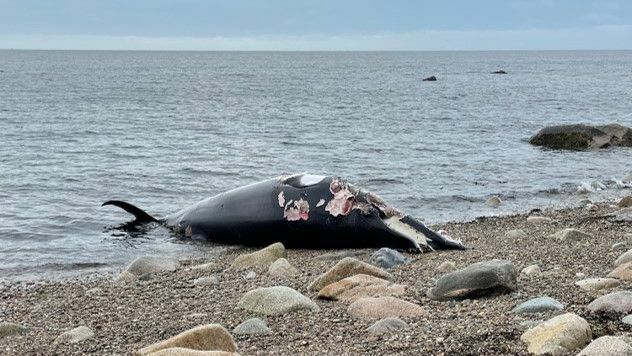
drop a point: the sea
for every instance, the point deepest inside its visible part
(163, 130)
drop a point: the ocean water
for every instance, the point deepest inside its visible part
(166, 129)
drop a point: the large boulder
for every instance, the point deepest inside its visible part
(360, 286)
(580, 136)
(478, 279)
(276, 300)
(560, 335)
(211, 337)
(347, 267)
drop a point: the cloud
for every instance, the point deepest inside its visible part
(598, 37)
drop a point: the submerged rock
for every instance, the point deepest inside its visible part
(494, 201)
(499, 72)
(387, 258)
(478, 279)
(431, 78)
(579, 136)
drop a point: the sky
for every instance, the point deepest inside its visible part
(316, 24)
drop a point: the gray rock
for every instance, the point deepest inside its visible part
(151, 264)
(582, 136)
(627, 319)
(10, 329)
(620, 245)
(570, 235)
(607, 346)
(494, 201)
(275, 300)
(281, 268)
(446, 266)
(595, 284)
(251, 275)
(253, 326)
(206, 281)
(387, 326)
(516, 234)
(617, 302)
(623, 215)
(538, 305)
(478, 279)
(387, 258)
(624, 258)
(531, 271)
(262, 258)
(536, 220)
(559, 335)
(75, 335)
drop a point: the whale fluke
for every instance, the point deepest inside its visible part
(141, 216)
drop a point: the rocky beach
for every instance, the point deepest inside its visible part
(549, 281)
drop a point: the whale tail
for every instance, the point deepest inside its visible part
(141, 216)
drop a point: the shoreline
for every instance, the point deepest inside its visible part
(127, 316)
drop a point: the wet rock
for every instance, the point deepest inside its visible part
(10, 329)
(617, 302)
(625, 202)
(387, 258)
(559, 335)
(446, 267)
(206, 281)
(281, 268)
(211, 337)
(607, 346)
(151, 264)
(75, 335)
(570, 235)
(360, 286)
(621, 135)
(595, 284)
(431, 78)
(384, 307)
(338, 255)
(622, 272)
(347, 267)
(253, 326)
(478, 279)
(538, 305)
(275, 300)
(387, 326)
(579, 136)
(179, 351)
(624, 258)
(531, 271)
(493, 202)
(537, 220)
(262, 258)
(516, 234)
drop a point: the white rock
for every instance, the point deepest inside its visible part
(262, 258)
(531, 271)
(75, 335)
(151, 264)
(595, 284)
(251, 275)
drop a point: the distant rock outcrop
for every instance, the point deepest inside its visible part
(579, 136)
(430, 79)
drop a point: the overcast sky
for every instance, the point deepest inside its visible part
(316, 24)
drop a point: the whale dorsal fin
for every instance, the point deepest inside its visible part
(141, 216)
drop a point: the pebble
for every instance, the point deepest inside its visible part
(75, 335)
(347, 267)
(538, 220)
(446, 267)
(360, 286)
(387, 258)
(538, 305)
(622, 272)
(570, 235)
(595, 284)
(516, 234)
(386, 326)
(384, 307)
(580, 275)
(478, 279)
(251, 275)
(10, 329)
(531, 271)
(559, 335)
(282, 268)
(262, 258)
(275, 300)
(206, 281)
(210, 337)
(152, 264)
(617, 302)
(607, 346)
(253, 326)
(624, 258)
(494, 201)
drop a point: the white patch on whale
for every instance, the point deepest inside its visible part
(395, 224)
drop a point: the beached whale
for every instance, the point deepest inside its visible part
(300, 211)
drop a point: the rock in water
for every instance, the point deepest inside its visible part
(493, 202)
(360, 286)
(387, 326)
(499, 72)
(211, 337)
(75, 335)
(276, 300)
(570, 235)
(10, 329)
(281, 268)
(347, 267)
(431, 78)
(613, 303)
(560, 335)
(575, 137)
(538, 305)
(387, 258)
(595, 284)
(478, 279)
(262, 258)
(151, 264)
(384, 307)
(607, 346)
(253, 326)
